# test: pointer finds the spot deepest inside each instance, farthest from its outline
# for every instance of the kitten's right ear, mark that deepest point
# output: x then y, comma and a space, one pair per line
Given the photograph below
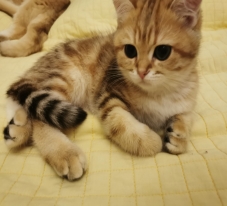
188, 10
123, 7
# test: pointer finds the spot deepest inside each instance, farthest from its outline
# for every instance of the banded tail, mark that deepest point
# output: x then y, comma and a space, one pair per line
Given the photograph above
48, 107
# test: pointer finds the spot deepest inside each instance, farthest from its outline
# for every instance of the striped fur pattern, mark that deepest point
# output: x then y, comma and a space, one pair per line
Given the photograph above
141, 82
32, 20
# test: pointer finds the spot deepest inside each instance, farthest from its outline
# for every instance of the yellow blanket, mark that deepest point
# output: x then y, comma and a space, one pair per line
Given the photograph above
114, 178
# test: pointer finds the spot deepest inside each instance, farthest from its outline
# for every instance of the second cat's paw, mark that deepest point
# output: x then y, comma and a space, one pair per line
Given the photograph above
176, 138
68, 161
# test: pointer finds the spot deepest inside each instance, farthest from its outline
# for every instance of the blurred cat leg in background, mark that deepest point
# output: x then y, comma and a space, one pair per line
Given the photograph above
29, 43
8, 7
31, 24
15, 31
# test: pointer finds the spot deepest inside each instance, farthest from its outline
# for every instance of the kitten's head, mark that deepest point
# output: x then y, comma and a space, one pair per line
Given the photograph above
157, 41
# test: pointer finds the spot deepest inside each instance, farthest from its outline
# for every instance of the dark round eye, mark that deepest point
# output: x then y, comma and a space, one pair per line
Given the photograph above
130, 51
162, 52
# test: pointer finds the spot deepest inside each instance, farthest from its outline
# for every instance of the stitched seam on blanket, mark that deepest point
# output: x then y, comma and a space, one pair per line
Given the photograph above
89, 159
210, 176
117, 170
106, 195
159, 179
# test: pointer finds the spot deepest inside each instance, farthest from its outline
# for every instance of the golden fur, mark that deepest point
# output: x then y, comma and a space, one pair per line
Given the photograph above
32, 21
141, 82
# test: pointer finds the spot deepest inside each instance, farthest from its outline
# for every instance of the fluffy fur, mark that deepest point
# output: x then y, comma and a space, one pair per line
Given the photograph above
32, 20
143, 99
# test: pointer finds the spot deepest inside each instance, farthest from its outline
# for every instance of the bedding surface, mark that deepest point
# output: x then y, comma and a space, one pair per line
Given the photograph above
198, 177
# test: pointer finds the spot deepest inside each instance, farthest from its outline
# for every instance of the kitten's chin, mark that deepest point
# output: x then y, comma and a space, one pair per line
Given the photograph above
148, 86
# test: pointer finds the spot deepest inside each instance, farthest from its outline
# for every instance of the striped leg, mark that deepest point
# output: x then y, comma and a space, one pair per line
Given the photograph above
66, 158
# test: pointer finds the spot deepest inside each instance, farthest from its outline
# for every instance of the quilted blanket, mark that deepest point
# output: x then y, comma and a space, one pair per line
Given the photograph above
198, 177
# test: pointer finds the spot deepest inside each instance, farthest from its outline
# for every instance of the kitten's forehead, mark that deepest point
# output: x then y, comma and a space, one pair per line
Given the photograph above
149, 14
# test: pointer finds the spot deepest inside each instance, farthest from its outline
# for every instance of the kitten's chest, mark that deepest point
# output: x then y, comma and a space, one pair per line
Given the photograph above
155, 113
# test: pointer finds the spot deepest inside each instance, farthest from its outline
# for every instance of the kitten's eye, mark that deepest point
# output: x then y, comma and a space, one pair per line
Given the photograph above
162, 52
130, 51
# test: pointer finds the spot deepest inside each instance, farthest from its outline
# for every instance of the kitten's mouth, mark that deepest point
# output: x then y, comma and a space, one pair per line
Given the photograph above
151, 78
150, 74
149, 82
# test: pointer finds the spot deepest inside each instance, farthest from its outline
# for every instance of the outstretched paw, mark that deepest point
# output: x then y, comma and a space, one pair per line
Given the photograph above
18, 131
176, 136
69, 162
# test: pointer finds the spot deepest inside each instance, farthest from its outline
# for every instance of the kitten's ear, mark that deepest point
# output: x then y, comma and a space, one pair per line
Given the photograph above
188, 10
123, 7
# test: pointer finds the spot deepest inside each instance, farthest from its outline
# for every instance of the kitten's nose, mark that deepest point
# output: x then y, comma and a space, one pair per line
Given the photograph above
143, 73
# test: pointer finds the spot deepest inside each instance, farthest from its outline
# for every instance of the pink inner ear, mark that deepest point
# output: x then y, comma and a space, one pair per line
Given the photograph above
193, 4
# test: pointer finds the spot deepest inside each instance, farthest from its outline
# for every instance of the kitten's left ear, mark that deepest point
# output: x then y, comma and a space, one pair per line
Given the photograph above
123, 7
188, 10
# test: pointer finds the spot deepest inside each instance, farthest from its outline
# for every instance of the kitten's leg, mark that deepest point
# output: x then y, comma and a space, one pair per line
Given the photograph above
15, 31
30, 43
8, 7
133, 136
18, 132
177, 133
66, 158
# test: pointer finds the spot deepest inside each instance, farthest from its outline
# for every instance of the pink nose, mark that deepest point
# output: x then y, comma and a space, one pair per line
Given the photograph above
142, 74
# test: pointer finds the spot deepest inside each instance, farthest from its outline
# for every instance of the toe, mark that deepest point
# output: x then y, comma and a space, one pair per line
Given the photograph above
166, 139
6, 133
12, 121
76, 170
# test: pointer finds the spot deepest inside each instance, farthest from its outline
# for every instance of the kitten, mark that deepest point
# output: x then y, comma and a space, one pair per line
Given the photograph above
141, 82
32, 21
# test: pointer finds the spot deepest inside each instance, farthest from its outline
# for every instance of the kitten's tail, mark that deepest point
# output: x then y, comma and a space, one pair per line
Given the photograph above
48, 107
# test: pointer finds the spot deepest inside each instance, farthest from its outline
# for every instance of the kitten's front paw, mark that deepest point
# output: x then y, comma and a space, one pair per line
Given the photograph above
149, 145
18, 131
176, 137
68, 161
142, 141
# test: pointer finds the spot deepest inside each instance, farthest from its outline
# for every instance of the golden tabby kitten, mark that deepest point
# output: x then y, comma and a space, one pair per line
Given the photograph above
141, 82
32, 21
